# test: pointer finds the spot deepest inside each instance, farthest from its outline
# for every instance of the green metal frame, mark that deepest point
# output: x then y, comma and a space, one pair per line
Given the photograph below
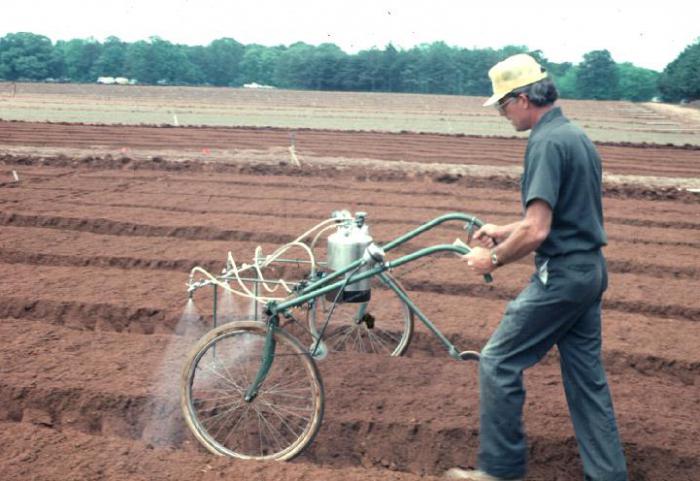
325, 285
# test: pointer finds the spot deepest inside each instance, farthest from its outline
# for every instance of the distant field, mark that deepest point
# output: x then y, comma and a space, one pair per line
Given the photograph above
113, 104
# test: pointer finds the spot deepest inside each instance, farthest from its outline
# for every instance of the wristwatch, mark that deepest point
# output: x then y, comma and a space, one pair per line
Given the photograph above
494, 259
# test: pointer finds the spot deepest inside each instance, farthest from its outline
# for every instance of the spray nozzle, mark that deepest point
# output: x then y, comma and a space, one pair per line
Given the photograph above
190, 286
360, 218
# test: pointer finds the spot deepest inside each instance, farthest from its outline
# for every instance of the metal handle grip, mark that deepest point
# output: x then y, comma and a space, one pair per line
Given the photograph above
488, 278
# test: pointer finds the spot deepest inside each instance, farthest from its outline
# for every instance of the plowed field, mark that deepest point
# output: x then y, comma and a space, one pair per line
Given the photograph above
98, 236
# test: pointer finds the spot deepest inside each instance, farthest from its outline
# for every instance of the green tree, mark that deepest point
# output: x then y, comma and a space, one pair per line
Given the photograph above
440, 70
291, 70
368, 71
197, 57
325, 66
566, 83
597, 77
174, 66
158, 61
391, 68
637, 84
558, 70
222, 58
474, 66
412, 77
258, 64
79, 57
25, 56
680, 80
110, 62
185, 71
139, 62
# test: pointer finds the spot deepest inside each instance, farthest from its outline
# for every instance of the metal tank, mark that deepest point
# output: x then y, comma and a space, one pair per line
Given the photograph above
345, 246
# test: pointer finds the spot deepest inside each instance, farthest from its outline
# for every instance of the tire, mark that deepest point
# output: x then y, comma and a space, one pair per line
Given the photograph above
277, 424
388, 331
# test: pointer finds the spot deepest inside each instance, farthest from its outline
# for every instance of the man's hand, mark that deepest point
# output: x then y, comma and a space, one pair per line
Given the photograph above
490, 234
479, 260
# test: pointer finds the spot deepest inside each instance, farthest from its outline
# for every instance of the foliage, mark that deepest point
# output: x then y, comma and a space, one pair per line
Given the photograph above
221, 62
427, 68
566, 82
636, 83
258, 64
79, 58
25, 56
680, 80
111, 60
597, 77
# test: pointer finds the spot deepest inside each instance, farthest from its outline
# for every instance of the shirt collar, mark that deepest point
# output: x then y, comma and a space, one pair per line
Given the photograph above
553, 114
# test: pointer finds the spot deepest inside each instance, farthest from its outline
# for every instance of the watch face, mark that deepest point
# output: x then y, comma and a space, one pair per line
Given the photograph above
494, 260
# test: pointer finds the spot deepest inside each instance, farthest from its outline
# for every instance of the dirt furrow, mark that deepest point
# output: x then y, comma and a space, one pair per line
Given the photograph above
245, 205
627, 292
106, 226
627, 188
10, 256
326, 143
385, 232
61, 388
119, 459
625, 330
228, 185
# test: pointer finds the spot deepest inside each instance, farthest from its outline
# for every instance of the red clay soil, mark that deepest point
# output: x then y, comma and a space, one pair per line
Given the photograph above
642, 159
94, 256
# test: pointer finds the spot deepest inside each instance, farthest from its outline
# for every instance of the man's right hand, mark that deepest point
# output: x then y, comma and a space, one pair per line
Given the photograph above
488, 235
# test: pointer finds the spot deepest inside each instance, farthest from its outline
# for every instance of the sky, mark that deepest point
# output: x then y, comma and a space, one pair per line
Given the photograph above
648, 34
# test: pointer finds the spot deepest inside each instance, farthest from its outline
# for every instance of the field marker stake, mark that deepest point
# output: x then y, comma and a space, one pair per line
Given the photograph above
175, 122
14, 174
292, 152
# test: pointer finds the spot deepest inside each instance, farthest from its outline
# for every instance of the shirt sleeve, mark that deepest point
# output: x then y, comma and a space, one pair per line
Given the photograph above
543, 173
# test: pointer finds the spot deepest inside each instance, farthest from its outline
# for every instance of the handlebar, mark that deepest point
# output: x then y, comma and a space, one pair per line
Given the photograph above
458, 243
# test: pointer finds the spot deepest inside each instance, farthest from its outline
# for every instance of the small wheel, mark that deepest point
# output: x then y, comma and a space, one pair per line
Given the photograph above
382, 325
279, 422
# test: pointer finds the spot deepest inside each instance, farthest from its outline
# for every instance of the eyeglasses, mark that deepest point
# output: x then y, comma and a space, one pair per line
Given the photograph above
501, 104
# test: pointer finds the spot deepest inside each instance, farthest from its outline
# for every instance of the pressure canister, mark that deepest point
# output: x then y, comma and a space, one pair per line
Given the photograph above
345, 246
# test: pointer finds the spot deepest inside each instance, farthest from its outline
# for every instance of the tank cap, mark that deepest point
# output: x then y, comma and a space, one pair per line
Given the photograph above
341, 215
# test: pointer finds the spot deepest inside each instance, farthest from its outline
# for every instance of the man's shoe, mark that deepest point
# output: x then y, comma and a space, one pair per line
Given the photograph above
473, 475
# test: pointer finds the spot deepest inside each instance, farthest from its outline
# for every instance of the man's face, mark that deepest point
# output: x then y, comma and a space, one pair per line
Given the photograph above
514, 108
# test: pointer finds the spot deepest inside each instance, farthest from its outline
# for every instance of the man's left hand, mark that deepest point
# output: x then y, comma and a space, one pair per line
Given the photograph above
479, 260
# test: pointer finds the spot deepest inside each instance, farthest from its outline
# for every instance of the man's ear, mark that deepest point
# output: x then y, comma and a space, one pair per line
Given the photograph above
527, 100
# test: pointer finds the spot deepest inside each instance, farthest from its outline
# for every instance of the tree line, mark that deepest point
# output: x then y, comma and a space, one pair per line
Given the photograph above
429, 68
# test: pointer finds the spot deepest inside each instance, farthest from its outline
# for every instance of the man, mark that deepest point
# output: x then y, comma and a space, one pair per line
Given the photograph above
563, 225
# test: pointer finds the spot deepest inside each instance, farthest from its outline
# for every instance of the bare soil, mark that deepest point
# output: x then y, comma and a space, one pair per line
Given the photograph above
98, 236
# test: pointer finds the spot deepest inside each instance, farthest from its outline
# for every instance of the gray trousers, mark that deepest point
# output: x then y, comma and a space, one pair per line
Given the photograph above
560, 305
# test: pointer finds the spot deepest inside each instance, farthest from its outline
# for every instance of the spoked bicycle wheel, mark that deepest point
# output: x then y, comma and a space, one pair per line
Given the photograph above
382, 325
279, 422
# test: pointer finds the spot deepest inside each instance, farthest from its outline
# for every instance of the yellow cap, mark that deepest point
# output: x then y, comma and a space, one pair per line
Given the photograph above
514, 72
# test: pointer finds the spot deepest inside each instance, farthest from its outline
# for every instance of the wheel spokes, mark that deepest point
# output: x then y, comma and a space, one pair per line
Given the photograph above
276, 420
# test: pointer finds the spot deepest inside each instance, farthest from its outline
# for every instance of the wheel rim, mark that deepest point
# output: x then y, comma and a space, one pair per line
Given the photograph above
284, 413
